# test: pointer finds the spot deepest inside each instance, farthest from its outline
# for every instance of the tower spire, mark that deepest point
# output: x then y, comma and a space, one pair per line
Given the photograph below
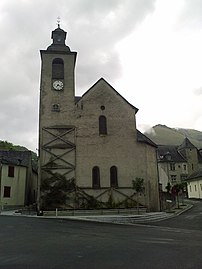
58, 21
58, 36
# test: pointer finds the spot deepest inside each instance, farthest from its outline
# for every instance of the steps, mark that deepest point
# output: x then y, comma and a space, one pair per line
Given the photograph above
126, 219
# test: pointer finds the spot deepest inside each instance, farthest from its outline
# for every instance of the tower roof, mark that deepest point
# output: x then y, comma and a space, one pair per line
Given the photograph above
169, 153
58, 36
186, 144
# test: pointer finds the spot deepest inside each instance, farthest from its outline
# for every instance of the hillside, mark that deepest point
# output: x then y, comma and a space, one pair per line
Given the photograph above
5, 145
163, 135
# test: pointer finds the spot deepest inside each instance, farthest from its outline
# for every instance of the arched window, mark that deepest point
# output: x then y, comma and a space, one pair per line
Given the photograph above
57, 69
96, 177
113, 177
102, 125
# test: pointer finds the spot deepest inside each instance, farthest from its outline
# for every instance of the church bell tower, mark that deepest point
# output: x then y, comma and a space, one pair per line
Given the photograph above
57, 80
56, 112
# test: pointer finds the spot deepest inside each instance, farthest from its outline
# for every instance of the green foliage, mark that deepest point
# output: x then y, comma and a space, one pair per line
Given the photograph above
177, 189
129, 203
111, 203
5, 145
92, 203
138, 185
54, 191
183, 186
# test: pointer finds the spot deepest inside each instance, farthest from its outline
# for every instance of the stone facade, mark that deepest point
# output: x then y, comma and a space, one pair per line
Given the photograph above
92, 137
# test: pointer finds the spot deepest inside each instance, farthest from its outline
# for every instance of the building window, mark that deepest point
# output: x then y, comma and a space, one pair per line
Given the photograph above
96, 177
185, 167
102, 125
11, 171
172, 166
190, 188
183, 177
56, 108
57, 69
102, 107
113, 177
7, 192
168, 156
195, 187
201, 186
173, 178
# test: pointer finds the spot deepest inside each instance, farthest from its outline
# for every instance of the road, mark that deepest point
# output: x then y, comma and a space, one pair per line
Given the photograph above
52, 243
191, 219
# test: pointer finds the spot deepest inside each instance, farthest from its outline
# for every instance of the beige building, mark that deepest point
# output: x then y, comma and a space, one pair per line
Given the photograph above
176, 163
91, 140
18, 180
194, 185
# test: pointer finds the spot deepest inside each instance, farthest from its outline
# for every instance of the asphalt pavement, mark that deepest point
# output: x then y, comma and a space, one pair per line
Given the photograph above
57, 243
191, 219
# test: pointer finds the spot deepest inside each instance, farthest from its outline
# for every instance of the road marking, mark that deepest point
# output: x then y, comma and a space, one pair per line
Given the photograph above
158, 241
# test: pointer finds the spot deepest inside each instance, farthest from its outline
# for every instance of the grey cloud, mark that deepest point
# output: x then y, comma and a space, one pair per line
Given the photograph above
147, 129
191, 14
97, 30
94, 28
198, 91
19, 119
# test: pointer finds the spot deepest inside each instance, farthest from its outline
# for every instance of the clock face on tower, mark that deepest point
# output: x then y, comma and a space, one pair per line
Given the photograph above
58, 85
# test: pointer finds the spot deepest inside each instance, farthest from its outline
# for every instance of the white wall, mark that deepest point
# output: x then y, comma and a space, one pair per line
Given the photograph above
194, 188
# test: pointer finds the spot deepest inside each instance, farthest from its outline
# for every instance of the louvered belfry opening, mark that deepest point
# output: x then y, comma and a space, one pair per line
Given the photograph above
57, 69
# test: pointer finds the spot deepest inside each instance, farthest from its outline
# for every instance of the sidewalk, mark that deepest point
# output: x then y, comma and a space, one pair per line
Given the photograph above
118, 218
130, 219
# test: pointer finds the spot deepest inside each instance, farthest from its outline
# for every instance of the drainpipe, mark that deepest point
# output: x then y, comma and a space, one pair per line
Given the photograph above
199, 196
38, 183
158, 182
0, 184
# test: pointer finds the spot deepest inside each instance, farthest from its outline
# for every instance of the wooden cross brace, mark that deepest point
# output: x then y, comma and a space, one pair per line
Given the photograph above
59, 137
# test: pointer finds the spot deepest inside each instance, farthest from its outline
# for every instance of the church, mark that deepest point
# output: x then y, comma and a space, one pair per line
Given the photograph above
90, 151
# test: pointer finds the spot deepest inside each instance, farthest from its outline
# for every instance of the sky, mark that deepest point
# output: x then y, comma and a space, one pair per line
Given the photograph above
150, 51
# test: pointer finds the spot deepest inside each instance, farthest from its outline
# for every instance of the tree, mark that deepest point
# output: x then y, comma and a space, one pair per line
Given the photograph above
138, 186
176, 189
184, 190
168, 187
54, 191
